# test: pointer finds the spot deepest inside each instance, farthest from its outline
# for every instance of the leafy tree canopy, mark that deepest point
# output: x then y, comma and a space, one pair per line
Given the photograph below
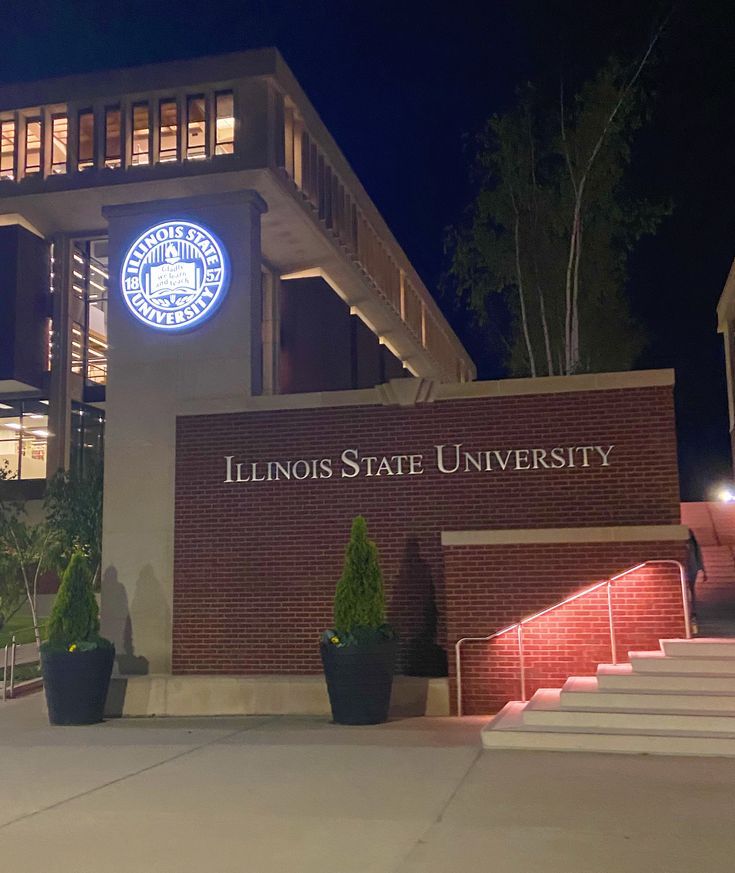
74, 513
554, 221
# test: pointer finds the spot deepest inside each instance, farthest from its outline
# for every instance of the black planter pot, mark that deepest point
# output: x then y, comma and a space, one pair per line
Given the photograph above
76, 684
359, 681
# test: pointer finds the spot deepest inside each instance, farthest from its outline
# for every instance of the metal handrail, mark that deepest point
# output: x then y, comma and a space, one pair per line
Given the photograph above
7, 689
518, 626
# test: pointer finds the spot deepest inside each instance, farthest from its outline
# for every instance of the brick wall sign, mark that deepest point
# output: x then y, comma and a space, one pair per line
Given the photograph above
265, 499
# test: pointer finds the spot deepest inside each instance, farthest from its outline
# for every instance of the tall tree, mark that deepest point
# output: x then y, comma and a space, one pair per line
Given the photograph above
25, 553
74, 513
554, 222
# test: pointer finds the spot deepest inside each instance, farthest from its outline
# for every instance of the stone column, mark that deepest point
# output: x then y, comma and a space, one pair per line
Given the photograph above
153, 377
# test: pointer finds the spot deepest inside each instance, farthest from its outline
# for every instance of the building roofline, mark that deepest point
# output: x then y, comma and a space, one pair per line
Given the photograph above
116, 80
230, 67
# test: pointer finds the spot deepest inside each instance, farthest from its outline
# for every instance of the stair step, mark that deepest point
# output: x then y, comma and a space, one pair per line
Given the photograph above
615, 677
584, 692
701, 647
544, 709
657, 662
507, 731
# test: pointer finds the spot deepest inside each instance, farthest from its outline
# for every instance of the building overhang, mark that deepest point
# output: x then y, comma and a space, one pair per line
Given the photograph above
292, 242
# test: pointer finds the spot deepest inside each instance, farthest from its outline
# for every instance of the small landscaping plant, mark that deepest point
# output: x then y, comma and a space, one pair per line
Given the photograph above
359, 601
74, 623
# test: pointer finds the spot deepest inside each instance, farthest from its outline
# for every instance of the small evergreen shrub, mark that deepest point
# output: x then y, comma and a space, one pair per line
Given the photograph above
359, 601
74, 622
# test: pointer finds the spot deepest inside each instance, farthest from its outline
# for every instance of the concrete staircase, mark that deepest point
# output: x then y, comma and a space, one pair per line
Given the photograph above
676, 701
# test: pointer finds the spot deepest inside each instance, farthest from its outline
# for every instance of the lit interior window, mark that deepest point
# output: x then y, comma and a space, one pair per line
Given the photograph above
59, 143
23, 439
196, 131
141, 135
7, 150
225, 144
86, 140
169, 131
78, 274
33, 147
97, 322
90, 283
113, 139
77, 349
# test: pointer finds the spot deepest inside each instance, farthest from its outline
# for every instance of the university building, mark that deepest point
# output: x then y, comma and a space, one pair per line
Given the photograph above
196, 287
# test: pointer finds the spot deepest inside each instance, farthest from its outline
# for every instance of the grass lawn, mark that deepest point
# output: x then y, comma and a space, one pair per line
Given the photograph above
22, 626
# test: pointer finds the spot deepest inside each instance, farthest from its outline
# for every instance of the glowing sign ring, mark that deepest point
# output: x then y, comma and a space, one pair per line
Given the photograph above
175, 276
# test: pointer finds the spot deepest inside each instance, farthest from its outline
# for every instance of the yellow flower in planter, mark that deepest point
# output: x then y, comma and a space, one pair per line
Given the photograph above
334, 640
73, 647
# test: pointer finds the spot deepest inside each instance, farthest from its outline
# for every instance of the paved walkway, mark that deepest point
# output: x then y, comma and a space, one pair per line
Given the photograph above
297, 795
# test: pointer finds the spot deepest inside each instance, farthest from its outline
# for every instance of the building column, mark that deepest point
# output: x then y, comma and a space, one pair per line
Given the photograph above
155, 376
60, 388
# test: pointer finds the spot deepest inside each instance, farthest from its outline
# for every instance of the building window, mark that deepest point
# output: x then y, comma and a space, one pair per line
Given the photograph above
87, 438
196, 128
89, 340
141, 135
113, 137
86, 139
7, 149
23, 439
225, 128
78, 277
77, 348
168, 120
59, 143
34, 151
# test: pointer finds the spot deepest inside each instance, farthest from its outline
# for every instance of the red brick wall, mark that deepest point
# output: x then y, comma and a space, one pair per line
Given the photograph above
490, 587
256, 563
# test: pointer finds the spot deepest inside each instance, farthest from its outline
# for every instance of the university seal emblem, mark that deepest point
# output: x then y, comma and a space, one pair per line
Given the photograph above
175, 275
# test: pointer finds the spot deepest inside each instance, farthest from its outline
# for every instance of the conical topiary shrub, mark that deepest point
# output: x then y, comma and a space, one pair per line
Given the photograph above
76, 662
359, 652
75, 615
359, 601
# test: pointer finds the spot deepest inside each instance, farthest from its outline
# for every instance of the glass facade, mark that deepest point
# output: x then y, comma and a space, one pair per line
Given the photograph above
90, 284
225, 127
7, 150
168, 120
59, 143
141, 135
87, 437
85, 139
191, 127
196, 127
23, 438
113, 137
34, 147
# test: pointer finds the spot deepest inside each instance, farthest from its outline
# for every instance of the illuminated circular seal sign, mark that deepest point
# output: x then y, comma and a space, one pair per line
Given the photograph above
175, 276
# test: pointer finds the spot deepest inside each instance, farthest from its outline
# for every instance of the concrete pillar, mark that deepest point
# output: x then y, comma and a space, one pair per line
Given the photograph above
60, 392
153, 377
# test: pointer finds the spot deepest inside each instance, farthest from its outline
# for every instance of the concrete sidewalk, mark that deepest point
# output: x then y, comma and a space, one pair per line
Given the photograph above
298, 795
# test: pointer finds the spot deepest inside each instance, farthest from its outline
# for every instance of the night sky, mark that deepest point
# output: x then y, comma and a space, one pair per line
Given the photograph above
404, 86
